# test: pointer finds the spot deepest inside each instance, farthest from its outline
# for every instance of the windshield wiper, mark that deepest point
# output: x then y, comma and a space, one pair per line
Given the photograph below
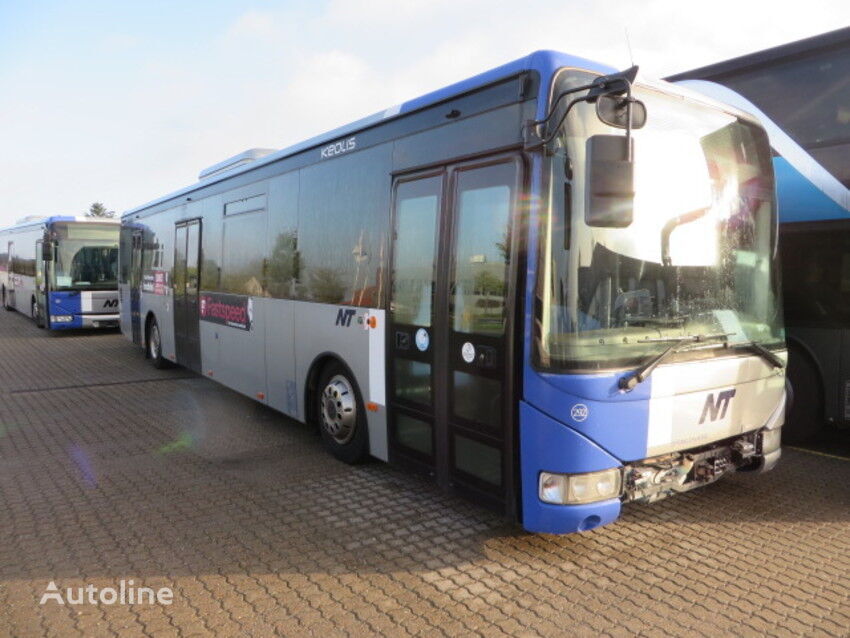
771, 357
629, 382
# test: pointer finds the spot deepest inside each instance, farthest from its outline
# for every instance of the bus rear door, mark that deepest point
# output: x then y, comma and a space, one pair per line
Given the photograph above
187, 260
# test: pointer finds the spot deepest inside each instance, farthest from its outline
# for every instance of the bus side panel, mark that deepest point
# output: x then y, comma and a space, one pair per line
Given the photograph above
282, 382
241, 353
344, 332
831, 361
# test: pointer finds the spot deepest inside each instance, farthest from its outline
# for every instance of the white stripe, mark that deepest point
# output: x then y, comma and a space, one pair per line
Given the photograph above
86, 302
377, 362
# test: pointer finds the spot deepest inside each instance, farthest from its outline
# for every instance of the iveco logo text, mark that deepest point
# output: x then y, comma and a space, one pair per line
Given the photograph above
338, 148
343, 317
579, 412
716, 409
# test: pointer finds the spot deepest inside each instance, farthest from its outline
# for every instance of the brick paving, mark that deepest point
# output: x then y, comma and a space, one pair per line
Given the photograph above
112, 470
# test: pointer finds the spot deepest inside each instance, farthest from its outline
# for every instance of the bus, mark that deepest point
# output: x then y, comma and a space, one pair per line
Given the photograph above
801, 95
61, 271
538, 287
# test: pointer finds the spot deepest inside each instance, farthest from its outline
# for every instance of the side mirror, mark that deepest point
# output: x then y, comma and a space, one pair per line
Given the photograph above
47, 251
613, 110
610, 194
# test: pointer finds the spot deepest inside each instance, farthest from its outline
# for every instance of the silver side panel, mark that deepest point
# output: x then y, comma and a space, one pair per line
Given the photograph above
287, 337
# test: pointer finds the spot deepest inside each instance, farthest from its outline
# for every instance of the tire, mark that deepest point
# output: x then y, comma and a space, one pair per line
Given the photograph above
154, 346
6, 306
341, 416
35, 314
804, 418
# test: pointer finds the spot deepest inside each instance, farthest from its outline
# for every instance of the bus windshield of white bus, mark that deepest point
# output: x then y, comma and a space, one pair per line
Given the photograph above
85, 257
699, 257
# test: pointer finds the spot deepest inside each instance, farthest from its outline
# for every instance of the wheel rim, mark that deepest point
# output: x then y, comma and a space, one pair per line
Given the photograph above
154, 342
339, 409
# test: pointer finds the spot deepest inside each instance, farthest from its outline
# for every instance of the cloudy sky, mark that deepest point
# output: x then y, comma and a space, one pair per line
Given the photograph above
122, 102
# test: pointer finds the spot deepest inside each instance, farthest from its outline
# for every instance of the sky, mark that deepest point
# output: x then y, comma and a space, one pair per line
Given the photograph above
122, 102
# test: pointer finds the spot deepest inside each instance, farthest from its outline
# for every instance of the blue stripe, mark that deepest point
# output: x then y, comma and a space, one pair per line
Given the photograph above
799, 200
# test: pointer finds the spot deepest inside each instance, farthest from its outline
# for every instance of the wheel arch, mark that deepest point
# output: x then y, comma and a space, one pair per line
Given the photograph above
314, 373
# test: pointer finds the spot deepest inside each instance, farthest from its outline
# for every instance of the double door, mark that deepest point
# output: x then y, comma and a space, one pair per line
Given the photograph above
187, 263
451, 321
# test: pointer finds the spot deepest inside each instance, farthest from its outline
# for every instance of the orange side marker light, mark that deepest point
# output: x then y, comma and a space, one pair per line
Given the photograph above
372, 407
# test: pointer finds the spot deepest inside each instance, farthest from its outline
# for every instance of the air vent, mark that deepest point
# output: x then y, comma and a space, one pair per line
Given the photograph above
246, 157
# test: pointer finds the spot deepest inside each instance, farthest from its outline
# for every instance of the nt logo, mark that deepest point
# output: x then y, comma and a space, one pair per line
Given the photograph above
343, 317
716, 409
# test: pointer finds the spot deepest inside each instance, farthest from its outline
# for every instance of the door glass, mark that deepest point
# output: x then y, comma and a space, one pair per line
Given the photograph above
484, 199
413, 274
180, 261
192, 258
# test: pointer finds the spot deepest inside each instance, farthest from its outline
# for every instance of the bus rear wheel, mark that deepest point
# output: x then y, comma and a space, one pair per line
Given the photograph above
804, 418
6, 305
155, 346
341, 417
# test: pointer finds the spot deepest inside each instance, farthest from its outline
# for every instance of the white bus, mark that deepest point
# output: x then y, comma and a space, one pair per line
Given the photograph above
62, 271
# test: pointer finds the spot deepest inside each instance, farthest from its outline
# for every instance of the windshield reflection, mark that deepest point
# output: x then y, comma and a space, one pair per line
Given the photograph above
697, 259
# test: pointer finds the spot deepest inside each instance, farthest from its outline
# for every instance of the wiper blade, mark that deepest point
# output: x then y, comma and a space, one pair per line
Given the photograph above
629, 382
771, 357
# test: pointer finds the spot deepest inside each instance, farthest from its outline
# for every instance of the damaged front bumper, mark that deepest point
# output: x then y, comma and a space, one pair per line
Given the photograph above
656, 478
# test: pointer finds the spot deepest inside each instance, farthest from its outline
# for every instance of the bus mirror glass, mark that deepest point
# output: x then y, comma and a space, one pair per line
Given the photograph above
610, 182
613, 111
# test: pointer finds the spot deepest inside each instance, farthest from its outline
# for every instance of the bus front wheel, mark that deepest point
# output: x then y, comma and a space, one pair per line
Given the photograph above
36, 315
155, 346
341, 417
804, 418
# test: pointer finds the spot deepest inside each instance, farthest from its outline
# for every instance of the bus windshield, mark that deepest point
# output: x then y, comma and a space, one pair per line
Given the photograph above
86, 257
698, 258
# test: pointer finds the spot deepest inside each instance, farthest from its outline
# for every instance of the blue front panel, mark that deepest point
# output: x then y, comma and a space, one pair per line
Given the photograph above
68, 303
547, 445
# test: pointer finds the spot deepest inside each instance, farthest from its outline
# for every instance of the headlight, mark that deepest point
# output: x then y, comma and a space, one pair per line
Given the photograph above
572, 489
771, 440
61, 318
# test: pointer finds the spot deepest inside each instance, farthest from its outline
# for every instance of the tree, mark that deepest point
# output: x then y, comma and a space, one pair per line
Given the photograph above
99, 210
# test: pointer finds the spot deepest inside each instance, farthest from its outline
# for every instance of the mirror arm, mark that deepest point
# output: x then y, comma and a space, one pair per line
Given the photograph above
670, 226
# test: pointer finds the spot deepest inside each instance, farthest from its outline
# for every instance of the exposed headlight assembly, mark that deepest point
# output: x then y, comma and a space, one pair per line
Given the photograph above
575, 489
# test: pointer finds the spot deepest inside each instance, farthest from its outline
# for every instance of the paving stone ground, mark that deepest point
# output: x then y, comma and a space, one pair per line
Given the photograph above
112, 470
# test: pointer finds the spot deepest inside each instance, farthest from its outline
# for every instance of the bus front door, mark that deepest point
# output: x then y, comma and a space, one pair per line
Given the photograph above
40, 309
450, 325
136, 285
187, 260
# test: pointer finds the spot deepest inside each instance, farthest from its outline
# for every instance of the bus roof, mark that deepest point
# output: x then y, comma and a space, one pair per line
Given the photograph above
52, 219
544, 62
778, 54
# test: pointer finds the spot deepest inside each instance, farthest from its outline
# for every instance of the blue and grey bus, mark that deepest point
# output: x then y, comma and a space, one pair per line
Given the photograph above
801, 94
550, 288
62, 271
